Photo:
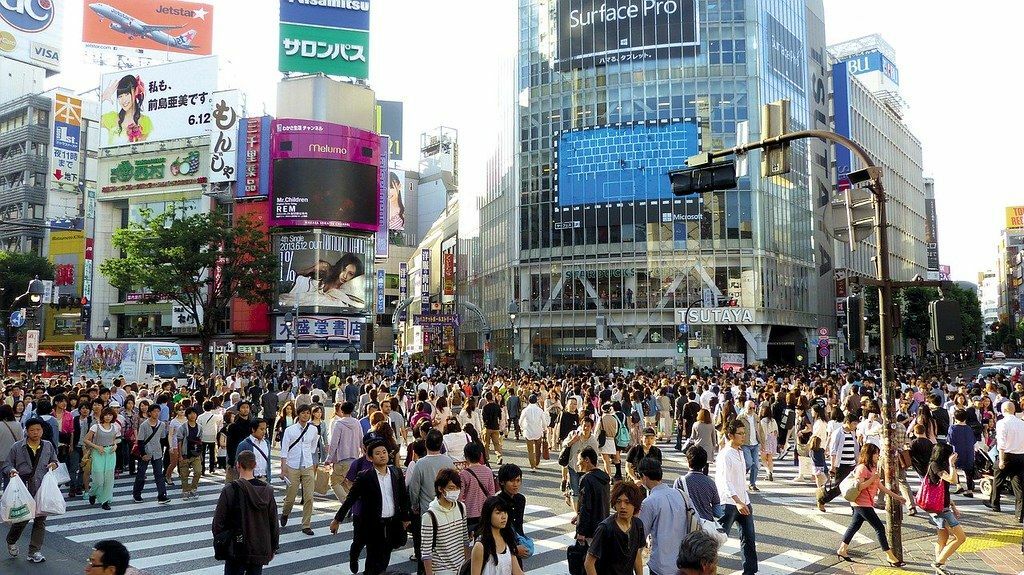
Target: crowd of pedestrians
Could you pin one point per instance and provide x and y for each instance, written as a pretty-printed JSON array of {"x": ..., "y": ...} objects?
[{"x": 417, "y": 452}]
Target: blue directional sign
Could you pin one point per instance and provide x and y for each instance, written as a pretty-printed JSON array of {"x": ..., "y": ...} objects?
[
  {"x": 17, "y": 318},
  {"x": 684, "y": 328}
]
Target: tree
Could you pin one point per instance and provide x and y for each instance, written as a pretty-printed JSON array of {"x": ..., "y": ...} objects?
[
  {"x": 16, "y": 270},
  {"x": 199, "y": 261}
]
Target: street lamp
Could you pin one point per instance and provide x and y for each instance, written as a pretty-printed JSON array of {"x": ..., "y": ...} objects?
[
  {"x": 106, "y": 328},
  {"x": 289, "y": 321},
  {"x": 35, "y": 290},
  {"x": 513, "y": 312}
]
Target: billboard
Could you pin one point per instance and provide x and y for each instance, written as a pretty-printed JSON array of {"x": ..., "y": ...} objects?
[
  {"x": 148, "y": 28},
  {"x": 1014, "y": 217},
  {"x": 227, "y": 111},
  {"x": 154, "y": 171},
  {"x": 931, "y": 237},
  {"x": 350, "y": 14},
  {"x": 322, "y": 328},
  {"x": 784, "y": 53},
  {"x": 324, "y": 175},
  {"x": 396, "y": 200},
  {"x": 105, "y": 360},
  {"x": 157, "y": 103},
  {"x": 331, "y": 51},
  {"x": 67, "y": 253},
  {"x": 31, "y": 32},
  {"x": 381, "y": 249},
  {"x": 390, "y": 122},
  {"x": 253, "y": 157},
  {"x": 622, "y": 162},
  {"x": 841, "y": 119},
  {"x": 323, "y": 271},
  {"x": 874, "y": 62},
  {"x": 66, "y": 142},
  {"x": 599, "y": 32}
]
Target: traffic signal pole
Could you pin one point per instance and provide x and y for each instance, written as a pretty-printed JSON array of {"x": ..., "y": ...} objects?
[{"x": 873, "y": 176}]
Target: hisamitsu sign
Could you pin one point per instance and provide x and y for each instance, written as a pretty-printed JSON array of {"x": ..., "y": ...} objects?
[{"x": 716, "y": 316}]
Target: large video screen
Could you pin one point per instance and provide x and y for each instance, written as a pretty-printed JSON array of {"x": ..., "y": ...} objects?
[
  {"x": 325, "y": 193},
  {"x": 322, "y": 270},
  {"x": 622, "y": 163},
  {"x": 599, "y": 32}
]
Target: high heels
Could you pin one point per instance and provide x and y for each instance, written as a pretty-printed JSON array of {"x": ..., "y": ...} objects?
[
  {"x": 897, "y": 564},
  {"x": 844, "y": 557}
]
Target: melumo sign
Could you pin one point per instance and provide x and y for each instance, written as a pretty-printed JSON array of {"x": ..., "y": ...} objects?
[{"x": 1014, "y": 217}]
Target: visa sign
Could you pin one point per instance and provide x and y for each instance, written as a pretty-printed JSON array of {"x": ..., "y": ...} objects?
[{"x": 27, "y": 15}]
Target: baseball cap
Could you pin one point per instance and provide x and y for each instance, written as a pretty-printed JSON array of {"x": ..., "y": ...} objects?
[
  {"x": 650, "y": 431},
  {"x": 114, "y": 403}
]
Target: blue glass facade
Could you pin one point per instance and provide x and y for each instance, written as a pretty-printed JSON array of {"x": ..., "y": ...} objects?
[{"x": 601, "y": 237}]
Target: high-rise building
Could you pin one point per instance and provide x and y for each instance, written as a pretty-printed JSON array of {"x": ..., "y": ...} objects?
[{"x": 612, "y": 266}]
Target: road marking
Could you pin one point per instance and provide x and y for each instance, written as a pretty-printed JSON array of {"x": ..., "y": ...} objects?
[{"x": 785, "y": 563}]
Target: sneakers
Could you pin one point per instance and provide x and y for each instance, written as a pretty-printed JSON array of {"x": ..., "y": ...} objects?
[
  {"x": 307, "y": 530},
  {"x": 163, "y": 500},
  {"x": 754, "y": 489},
  {"x": 36, "y": 557},
  {"x": 12, "y": 550},
  {"x": 106, "y": 507},
  {"x": 137, "y": 498}
]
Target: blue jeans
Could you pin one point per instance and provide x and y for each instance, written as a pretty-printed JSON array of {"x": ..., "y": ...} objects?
[
  {"x": 860, "y": 515},
  {"x": 140, "y": 477},
  {"x": 747, "y": 542},
  {"x": 752, "y": 455},
  {"x": 574, "y": 482}
]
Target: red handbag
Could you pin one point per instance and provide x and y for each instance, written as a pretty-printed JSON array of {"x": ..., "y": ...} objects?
[{"x": 931, "y": 497}]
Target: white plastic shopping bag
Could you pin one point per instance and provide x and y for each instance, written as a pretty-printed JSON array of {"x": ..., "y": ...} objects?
[
  {"x": 17, "y": 505},
  {"x": 49, "y": 499},
  {"x": 62, "y": 474}
]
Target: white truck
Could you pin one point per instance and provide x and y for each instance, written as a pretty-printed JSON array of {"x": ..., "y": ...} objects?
[{"x": 136, "y": 361}]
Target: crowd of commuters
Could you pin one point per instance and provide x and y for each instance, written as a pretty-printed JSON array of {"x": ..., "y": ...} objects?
[{"x": 417, "y": 452}]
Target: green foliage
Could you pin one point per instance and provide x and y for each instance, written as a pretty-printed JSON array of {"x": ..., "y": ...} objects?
[
  {"x": 16, "y": 270},
  {"x": 200, "y": 261}
]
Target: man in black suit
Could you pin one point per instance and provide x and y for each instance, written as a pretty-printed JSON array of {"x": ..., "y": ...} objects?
[{"x": 384, "y": 511}]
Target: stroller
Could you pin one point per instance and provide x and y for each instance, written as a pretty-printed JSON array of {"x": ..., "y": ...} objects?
[{"x": 985, "y": 468}]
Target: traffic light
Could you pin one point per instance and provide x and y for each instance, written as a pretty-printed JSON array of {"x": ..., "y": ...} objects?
[
  {"x": 855, "y": 322},
  {"x": 706, "y": 177},
  {"x": 85, "y": 311},
  {"x": 681, "y": 344},
  {"x": 947, "y": 330},
  {"x": 775, "y": 123}
]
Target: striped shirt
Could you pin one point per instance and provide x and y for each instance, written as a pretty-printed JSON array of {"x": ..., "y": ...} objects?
[
  {"x": 848, "y": 456},
  {"x": 448, "y": 551},
  {"x": 473, "y": 478}
]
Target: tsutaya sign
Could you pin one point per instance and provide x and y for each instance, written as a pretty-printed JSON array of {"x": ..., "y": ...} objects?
[{"x": 716, "y": 315}]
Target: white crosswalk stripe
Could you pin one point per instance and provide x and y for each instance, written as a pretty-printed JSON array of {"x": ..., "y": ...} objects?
[{"x": 175, "y": 539}]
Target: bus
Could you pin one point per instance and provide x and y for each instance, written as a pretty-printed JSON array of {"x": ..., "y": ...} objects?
[{"x": 49, "y": 364}]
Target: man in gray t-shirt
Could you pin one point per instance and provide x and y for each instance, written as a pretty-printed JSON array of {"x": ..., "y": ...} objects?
[{"x": 151, "y": 432}]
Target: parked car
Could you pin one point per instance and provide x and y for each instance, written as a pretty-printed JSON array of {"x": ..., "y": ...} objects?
[
  {"x": 990, "y": 370},
  {"x": 988, "y": 354},
  {"x": 998, "y": 355}
]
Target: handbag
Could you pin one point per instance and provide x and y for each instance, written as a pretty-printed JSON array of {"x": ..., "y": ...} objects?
[
  {"x": 850, "y": 487},
  {"x": 545, "y": 450},
  {"x": 695, "y": 521},
  {"x": 575, "y": 556},
  {"x": 931, "y": 497},
  {"x": 323, "y": 480},
  {"x": 563, "y": 456},
  {"x": 526, "y": 542}
]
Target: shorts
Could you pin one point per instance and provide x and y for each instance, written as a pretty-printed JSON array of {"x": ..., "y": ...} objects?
[
  {"x": 944, "y": 519},
  {"x": 608, "y": 448}
]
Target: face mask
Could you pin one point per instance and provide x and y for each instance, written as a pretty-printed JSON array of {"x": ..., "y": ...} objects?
[{"x": 452, "y": 496}]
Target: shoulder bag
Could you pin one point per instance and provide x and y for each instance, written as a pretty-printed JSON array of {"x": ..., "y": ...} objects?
[
  {"x": 230, "y": 543},
  {"x": 137, "y": 448}
]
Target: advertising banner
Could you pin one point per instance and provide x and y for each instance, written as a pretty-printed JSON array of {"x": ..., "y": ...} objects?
[
  {"x": 324, "y": 175},
  {"x": 157, "y": 103},
  {"x": 382, "y": 237},
  {"x": 390, "y": 122},
  {"x": 227, "y": 111},
  {"x": 1014, "y": 217},
  {"x": 784, "y": 53},
  {"x": 380, "y": 290},
  {"x": 104, "y": 361},
  {"x": 448, "y": 274},
  {"x": 931, "y": 237},
  {"x": 322, "y": 270},
  {"x": 155, "y": 171},
  {"x": 32, "y": 345},
  {"x": 396, "y": 200},
  {"x": 31, "y": 31},
  {"x": 841, "y": 106},
  {"x": 330, "y": 328},
  {"x": 599, "y": 32},
  {"x": 331, "y": 51},
  {"x": 65, "y": 148},
  {"x": 424, "y": 281},
  {"x": 945, "y": 274},
  {"x": 592, "y": 164},
  {"x": 67, "y": 253},
  {"x": 254, "y": 159},
  {"x": 148, "y": 28},
  {"x": 350, "y": 14},
  {"x": 403, "y": 286}
]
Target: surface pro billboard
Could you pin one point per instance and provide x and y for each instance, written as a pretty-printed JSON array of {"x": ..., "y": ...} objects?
[
  {"x": 324, "y": 175},
  {"x": 599, "y": 32}
]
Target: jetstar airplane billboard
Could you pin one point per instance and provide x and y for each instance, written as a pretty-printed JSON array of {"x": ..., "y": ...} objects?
[{"x": 150, "y": 28}]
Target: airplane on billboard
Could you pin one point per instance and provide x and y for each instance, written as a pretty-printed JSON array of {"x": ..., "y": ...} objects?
[{"x": 133, "y": 28}]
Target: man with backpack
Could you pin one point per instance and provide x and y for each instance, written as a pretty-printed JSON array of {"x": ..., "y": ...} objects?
[
  {"x": 245, "y": 531},
  {"x": 594, "y": 495}
]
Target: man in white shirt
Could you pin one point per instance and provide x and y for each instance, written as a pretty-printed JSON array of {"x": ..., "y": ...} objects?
[
  {"x": 298, "y": 464},
  {"x": 1010, "y": 466},
  {"x": 751, "y": 449},
  {"x": 730, "y": 471},
  {"x": 258, "y": 444},
  {"x": 533, "y": 421}
]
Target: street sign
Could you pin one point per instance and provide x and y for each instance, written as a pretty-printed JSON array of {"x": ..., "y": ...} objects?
[
  {"x": 823, "y": 351},
  {"x": 823, "y": 341},
  {"x": 684, "y": 328},
  {"x": 823, "y": 331},
  {"x": 32, "y": 345},
  {"x": 18, "y": 318}
]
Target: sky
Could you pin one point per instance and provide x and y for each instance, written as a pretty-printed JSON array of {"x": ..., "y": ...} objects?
[{"x": 440, "y": 57}]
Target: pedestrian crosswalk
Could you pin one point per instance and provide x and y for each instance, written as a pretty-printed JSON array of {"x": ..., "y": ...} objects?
[{"x": 176, "y": 538}]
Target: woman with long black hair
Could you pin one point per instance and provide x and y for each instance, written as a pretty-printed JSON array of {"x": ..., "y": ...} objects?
[
  {"x": 494, "y": 550},
  {"x": 869, "y": 481},
  {"x": 942, "y": 471}
]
